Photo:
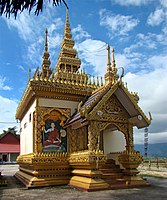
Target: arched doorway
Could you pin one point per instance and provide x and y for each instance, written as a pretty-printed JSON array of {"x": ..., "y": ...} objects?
[{"x": 113, "y": 140}]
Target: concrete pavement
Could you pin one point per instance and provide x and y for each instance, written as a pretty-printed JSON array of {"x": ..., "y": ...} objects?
[{"x": 16, "y": 191}]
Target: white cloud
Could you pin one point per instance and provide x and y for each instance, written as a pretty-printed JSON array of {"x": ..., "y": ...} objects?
[
  {"x": 158, "y": 61},
  {"x": 23, "y": 24},
  {"x": 21, "y": 68},
  {"x": 151, "y": 88},
  {"x": 94, "y": 53},
  {"x": 156, "y": 18},
  {"x": 31, "y": 29},
  {"x": 79, "y": 33},
  {"x": 132, "y": 2},
  {"x": 160, "y": 137},
  {"x": 8, "y": 109},
  {"x": 122, "y": 60},
  {"x": 163, "y": 3},
  {"x": 148, "y": 41},
  {"x": 117, "y": 24},
  {"x": 3, "y": 86},
  {"x": 35, "y": 52},
  {"x": 55, "y": 38}
]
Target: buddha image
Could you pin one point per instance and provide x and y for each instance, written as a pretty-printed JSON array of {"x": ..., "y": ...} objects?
[{"x": 54, "y": 137}]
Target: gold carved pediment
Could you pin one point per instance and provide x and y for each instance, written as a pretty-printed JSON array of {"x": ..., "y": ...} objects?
[
  {"x": 55, "y": 114},
  {"x": 110, "y": 110}
]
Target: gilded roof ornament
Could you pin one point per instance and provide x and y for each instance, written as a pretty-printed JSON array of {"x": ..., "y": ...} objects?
[
  {"x": 68, "y": 59},
  {"x": 113, "y": 60},
  {"x": 111, "y": 75},
  {"x": 67, "y": 31},
  {"x": 46, "y": 71},
  {"x": 108, "y": 58}
]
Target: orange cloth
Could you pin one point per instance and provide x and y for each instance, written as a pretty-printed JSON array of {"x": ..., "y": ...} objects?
[{"x": 53, "y": 138}]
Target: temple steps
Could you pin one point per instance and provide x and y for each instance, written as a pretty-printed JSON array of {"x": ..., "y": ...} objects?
[{"x": 113, "y": 174}]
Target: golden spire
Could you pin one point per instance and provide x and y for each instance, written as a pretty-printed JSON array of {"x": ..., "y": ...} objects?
[
  {"x": 68, "y": 60},
  {"x": 46, "y": 71},
  {"x": 67, "y": 31},
  {"x": 108, "y": 57},
  {"x": 111, "y": 74},
  {"x": 114, "y": 69},
  {"x": 46, "y": 40},
  {"x": 46, "y": 60}
]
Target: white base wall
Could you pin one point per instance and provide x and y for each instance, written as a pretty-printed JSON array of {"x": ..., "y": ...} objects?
[
  {"x": 114, "y": 141},
  {"x": 26, "y": 131},
  {"x": 26, "y": 125}
]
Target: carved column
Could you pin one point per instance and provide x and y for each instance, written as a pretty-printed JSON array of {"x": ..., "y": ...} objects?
[
  {"x": 37, "y": 132},
  {"x": 72, "y": 146},
  {"x": 129, "y": 139},
  {"x": 38, "y": 126},
  {"x": 130, "y": 159},
  {"x": 93, "y": 133}
]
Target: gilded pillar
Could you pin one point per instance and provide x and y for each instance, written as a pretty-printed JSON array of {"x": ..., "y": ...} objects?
[
  {"x": 72, "y": 142},
  {"x": 37, "y": 133},
  {"x": 37, "y": 130},
  {"x": 129, "y": 138},
  {"x": 130, "y": 159},
  {"x": 93, "y": 134}
]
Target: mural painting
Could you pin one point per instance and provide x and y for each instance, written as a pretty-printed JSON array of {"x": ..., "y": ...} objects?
[{"x": 54, "y": 137}]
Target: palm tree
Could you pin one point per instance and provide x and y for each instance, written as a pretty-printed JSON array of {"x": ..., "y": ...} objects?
[{"x": 9, "y": 7}]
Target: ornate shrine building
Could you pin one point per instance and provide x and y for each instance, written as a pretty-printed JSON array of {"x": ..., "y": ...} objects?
[{"x": 75, "y": 130}]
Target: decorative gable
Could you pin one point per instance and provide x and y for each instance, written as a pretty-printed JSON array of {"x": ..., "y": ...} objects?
[{"x": 111, "y": 110}]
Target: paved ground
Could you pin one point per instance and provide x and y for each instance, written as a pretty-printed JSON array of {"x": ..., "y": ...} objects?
[{"x": 16, "y": 191}]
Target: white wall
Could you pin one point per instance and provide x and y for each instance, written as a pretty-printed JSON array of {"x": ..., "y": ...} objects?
[
  {"x": 114, "y": 141},
  {"x": 26, "y": 134},
  {"x": 58, "y": 104}
]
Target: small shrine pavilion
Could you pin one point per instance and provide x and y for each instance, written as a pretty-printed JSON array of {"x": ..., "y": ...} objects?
[{"x": 77, "y": 131}]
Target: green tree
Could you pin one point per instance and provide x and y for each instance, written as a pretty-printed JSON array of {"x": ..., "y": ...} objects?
[{"x": 9, "y": 7}]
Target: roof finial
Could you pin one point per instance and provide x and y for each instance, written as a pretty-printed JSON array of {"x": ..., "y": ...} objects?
[
  {"x": 46, "y": 40},
  {"x": 68, "y": 54},
  {"x": 46, "y": 60},
  {"x": 67, "y": 18},
  {"x": 46, "y": 71},
  {"x": 67, "y": 31},
  {"x": 111, "y": 74},
  {"x": 108, "y": 57},
  {"x": 113, "y": 60}
]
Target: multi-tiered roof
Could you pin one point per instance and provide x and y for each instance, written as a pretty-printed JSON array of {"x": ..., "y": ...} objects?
[{"x": 68, "y": 83}]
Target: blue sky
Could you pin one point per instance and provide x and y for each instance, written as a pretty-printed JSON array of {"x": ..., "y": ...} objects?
[{"x": 137, "y": 29}]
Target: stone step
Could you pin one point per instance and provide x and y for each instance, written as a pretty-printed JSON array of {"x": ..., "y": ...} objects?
[
  {"x": 110, "y": 161},
  {"x": 112, "y": 176},
  {"x": 118, "y": 183},
  {"x": 110, "y": 166},
  {"x": 107, "y": 170}
]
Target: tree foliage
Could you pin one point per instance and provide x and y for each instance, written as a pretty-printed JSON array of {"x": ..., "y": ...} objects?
[{"x": 9, "y": 7}]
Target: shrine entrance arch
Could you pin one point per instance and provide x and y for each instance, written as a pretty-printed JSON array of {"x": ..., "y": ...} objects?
[{"x": 113, "y": 140}]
